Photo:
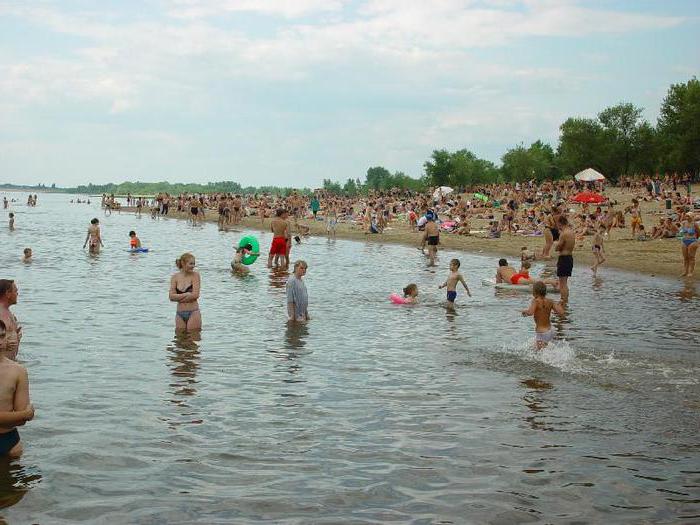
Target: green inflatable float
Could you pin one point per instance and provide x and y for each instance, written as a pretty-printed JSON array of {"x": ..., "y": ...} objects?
[
  {"x": 481, "y": 196},
  {"x": 251, "y": 243}
]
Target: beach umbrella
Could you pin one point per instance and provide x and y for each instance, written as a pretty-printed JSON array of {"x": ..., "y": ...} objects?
[
  {"x": 589, "y": 197},
  {"x": 442, "y": 191},
  {"x": 589, "y": 175}
]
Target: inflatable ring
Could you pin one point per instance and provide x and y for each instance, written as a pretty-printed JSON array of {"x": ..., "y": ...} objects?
[
  {"x": 249, "y": 258},
  {"x": 481, "y": 196}
]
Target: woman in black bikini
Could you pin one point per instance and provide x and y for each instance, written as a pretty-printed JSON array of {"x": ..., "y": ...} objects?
[{"x": 184, "y": 290}]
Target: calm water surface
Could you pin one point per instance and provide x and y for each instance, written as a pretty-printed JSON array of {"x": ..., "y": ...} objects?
[{"x": 373, "y": 413}]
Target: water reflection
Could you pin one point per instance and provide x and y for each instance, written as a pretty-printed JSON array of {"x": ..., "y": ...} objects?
[
  {"x": 688, "y": 292},
  {"x": 278, "y": 278},
  {"x": 295, "y": 336},
  {"x": 597, "y": 283},
  {"x": 184, "y": 356},
  {"x": 15, "y": 481},
  {"x": 534, "y": 401}
]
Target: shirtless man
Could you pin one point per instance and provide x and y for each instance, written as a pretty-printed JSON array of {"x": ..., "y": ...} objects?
[
  {"x": 94, "y": 236},
  {"x": 504, "y": 272},
  {"x": 565, "y": 262},
  {"x": 431, "y": 237},
  {"x": 15, "y": 409},
  {"x": 8, "y": 297},
  {"x": 278, "y": 248}
]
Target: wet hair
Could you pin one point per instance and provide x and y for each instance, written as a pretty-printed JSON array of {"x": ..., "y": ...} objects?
[
  {"x": 6, "y": 286},
  {"x": 456, "y": 261},
  {"x": 95, "y": 221},
  {"x": 300, "y": 262},
  {"x": 180, "y": 261},
  {"x": 502, "y": 262},
  {"x": 408, "y": 290},
  {"x": 539, "y": 289},
  {"x": 27, "y": 251},
  {"x": 526, "y": 265},
  {"x": 132, "y": 233},
  {"x": 11, "y": 215}
]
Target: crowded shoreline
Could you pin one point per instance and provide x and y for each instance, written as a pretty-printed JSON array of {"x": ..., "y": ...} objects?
[{"x": 651, "y": 256}]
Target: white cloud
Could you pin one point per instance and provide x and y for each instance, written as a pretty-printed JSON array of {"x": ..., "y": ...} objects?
[{"x": 283, "y": 8}]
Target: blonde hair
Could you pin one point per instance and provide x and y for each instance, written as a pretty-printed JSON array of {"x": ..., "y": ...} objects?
[{"x": 180, "y": 261}]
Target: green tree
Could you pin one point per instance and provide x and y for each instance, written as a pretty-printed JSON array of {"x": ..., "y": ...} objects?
[
  {"x": 439, "y": 169},
  {"x": 678, "y": 127},
  {"x": 523, "y": 164},
  {"x": 582, "y": 144},
  {"x": 377, "y": 177},
  {"x": 623, "y": 128},
  {"x": 350, "y": 188}
]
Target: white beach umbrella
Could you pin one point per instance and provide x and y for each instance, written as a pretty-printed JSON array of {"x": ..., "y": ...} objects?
[
  {"x": 589, "y": 175},
  {"x": 442, "y": 191}
]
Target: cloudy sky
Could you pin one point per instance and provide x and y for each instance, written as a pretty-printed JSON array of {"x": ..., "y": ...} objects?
[{"x": 288, "y": 92}]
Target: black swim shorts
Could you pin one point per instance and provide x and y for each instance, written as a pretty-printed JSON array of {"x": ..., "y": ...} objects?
[
  {"x": 433, "y": 240},
  {"x": 565, "y": 265}
]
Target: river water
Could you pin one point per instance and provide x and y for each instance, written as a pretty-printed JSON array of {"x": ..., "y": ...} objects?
[{"x": 373, "y": 413}]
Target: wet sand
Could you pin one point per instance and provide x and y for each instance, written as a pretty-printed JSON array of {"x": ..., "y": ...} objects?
[{"x": 657, "y": 257}]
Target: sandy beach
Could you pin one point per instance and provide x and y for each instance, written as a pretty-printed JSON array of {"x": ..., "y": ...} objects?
[{"x": 653, "y": 257}]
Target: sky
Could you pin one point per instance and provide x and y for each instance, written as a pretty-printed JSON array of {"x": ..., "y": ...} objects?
[{"x": 291, "y": 92}]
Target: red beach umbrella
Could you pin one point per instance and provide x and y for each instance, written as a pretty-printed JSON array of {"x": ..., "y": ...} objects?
[{"x": 589, "y": 197}]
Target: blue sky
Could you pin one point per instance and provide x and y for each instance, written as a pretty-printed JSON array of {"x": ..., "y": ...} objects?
[{"x": 289, "y": 92}]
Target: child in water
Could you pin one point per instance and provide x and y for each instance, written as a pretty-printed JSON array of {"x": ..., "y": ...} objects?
[
  {"x": 15, "y": 408},
  {"x": 134, "y": 241},
  {"x": 12, "y": 221},
  {"x": 410, "y": 294},
  {"x": 598, "y": 249},
  {"x": 451, "y": 283},
  {"x": 27, "y": 258},
  {"x": 237, "y": 265},
  {"x": 541, "y": 308}
]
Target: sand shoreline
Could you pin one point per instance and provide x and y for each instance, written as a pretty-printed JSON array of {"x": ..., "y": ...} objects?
[{"x": 658, "y": 257}]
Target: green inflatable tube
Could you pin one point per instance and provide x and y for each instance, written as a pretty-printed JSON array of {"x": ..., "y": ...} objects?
[
  {"x": 250, "y": 258},
  {"x": 481, "y": 196}
]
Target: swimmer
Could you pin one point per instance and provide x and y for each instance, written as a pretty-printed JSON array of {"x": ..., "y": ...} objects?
[
  {"x": 237, "y": 265},
  {"x": 184, "y": 290},
  {"x": 410, "y": 294},
  {"x": 134, "y": 241},
  {"x": 451, "y": 283},
  {"x": 27, "y": 257},
  {"x": 541, "y": 308},
  {"x": 94, "y": 236},
  {"x": 504, "y": 272},
  {"x": 12, "y": 222},
  {"x": 598, "y": 249},
  {"x": 15, "y": 408}
]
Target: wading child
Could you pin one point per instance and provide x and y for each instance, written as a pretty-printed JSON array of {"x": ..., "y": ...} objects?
[
  {"x": 15, "y": 409},
  {"x": 27, "y": 257},
  {"x": 237, "y": 264},
  {"x": 598, "y": 249},
  {"x": 12, "y": 221},
  {"x": 451, "y": 283},
  {"x": 541, "y": 308}
]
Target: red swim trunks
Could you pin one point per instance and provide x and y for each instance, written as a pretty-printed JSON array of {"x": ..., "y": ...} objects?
[
  {"x": 278, "y": 246},
  {"x": 515, "y": 279}
]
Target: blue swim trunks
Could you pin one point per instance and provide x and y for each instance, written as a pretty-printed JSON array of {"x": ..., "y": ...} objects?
[{"x": 451, "y": 296}]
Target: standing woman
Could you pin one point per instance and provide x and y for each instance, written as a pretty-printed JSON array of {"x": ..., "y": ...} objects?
[
  {"x": 94, "y": 237},
  {"x": 184, "y": 290},
  {"x": 689, "y": 244}
]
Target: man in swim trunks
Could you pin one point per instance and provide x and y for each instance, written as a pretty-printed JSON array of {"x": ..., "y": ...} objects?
[
  {"x": 278, "y": 248},
  {"x": 8, "y": 297},
  {"x": 504, "y": 272},
  {"x": 431, "y": 237},
  {"x": 565, "y": 262}
]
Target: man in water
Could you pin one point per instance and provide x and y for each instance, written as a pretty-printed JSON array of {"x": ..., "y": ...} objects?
[
  {"x": 297, "y": 297},
  {"x": 8, "y": 297},
  {"x": 505, "y": 272},
  {"x": 565, "y": 262},
  {"x": 278, "y": 249}
]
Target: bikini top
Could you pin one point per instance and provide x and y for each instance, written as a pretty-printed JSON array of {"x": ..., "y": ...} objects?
[
  {"x": 186, "y": 290},
  {"x": 688, "y": 231}
]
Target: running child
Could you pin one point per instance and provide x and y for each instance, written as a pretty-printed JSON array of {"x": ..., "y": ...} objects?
[
  {"x": 598, "y": 249},
  {"x": 541, "y": 308},
  {"x": 453, "y": 279}
]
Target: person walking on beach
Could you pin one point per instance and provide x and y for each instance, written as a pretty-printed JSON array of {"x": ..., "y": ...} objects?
[
  {"x": 184, "y": 290},
  {"x": 13, "y": 330},
  {"x": 297, "y": 296},
  {"x": 431, "y": 237},
  {"x": 565, "y": 262},
  {"x": 278, "y": 249}
]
